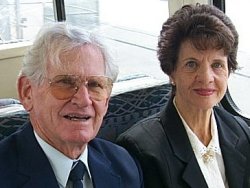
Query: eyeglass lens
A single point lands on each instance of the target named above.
(66, 86)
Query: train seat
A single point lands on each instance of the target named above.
(133, 98)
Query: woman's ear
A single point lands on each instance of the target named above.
(24, 92)
(172, 82)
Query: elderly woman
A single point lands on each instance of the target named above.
(193, 142)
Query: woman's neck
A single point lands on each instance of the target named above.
(198, 120)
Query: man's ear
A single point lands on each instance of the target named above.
(107, 101)
(24, 92)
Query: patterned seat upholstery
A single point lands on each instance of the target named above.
(127, 105)
(127, 108)
(11, 123)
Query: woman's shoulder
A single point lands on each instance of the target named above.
(143, 129)
(236, 123)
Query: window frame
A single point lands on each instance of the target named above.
(59, 10)
(227, 102)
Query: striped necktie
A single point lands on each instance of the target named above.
(77, 173)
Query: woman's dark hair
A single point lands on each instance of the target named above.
(205, 26)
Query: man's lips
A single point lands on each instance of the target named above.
(204, 92)
(77, 117)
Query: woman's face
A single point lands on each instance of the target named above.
(200, 77)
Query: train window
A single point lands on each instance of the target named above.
(239, 85)
(131, 28)
(20, 20)
(131, 33)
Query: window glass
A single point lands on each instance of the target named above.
(239, 82)
(131, 28)
(21, 19)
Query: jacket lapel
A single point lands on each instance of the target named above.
(175, 131)
(235, 169)
(35, 169)
(101, 170)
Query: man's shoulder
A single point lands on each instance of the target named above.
(8, 144)
(111, 153)
(103, 146)
(117, 160)
(8, 155)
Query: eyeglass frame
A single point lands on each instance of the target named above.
(81, 80)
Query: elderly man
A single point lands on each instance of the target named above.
(65, 85)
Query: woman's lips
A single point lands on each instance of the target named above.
(204, 92)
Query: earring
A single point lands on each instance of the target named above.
(172, 82)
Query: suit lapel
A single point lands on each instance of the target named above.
(34, 167)
(100, 168)
(235, 169)
(182, 149)
(192, 174)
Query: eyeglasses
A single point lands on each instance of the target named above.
(66, 86)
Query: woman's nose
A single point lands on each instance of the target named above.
(205, 74)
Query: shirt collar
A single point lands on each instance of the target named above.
(60, 163)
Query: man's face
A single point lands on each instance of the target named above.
(74, 121)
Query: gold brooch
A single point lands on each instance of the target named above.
(208, 156)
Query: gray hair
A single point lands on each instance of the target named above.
(55, 39)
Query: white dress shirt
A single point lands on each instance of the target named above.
(209, 158)
(62, 165)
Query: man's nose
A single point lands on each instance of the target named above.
(82, 97)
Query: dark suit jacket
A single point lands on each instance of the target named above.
(23, 164)
(161, 145)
